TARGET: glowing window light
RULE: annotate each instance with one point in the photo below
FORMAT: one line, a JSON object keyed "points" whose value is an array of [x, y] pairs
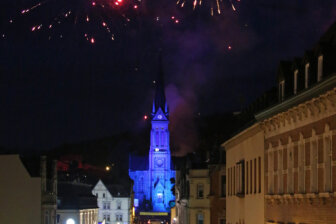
{"points": [[70, 221], [157, 149]]}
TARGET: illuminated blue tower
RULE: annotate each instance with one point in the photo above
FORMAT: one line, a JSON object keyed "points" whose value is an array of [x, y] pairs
{"points": [[152, 182]]}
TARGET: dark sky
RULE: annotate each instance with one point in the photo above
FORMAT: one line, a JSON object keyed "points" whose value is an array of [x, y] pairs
{"points": [[69, 90]]}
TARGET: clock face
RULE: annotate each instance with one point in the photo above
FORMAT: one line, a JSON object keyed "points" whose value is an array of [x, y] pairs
{"points": [[160, 116], [159, 162]]}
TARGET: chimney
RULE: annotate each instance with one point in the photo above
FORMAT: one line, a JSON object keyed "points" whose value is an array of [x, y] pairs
{"points": [[43, 173]]}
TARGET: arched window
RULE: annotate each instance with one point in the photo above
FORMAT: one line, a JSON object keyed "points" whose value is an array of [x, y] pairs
{"points": [[163, 137], [157, 138]]}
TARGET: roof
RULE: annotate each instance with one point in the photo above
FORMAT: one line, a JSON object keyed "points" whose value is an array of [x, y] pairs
{"points": [[118, 190], [316, 90], [32, 165], [284, 69], [329, 37], [238, 138], [75, 196]]}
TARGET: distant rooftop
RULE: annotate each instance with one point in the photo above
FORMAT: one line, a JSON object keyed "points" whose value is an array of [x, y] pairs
{"points": [[75, 196]]}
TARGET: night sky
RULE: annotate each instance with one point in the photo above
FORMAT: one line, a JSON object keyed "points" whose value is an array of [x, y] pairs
{"points": [[56, 86]]}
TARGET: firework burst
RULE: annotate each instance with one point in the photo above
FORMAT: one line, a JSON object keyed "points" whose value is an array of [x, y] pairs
{"points": [[214, 6], [50, 17]]}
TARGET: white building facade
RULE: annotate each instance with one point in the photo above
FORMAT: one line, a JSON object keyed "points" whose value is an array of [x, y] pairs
{"points": [[114, 207], [77, 216]]}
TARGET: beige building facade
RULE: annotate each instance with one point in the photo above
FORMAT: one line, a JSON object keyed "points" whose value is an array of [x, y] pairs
{"points": [[19, 192], [245, 176], [300, 139], [24, 195], [300, 161], [199, 202]]}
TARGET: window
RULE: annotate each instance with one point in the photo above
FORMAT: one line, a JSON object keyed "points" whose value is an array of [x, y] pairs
{"points": [[58, 218], [280, 172], [234, 181], [136, 202], [223, 185], [103, 195], [119, 217], [200, 219], [229, 181], [46, 217], [296, 72], [282, 90], [247, 177], [159, 197], [255, 175], [320, 68], [106, 217], [106, 205], [301, 174], [270, 173], [307, 75], [240, 178], [163, 137], [327, 165], [157, 138], [314, 167], [118, 204], [259, 174], [250, 176], [200, 191], [290, 171]]}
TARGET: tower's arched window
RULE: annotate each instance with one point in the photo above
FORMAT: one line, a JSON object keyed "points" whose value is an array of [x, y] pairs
{"points": [[157, 138], [163, 137]]}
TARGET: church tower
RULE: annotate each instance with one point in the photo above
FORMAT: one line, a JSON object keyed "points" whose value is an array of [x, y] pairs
{"points": [[159, 152], [152, 186]]}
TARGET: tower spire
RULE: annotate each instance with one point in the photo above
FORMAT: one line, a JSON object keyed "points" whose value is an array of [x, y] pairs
{"points": [[160, 98]]}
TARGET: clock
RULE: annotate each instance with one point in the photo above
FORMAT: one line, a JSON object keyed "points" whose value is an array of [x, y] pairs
{"points": [[160, 116], [159, 162]]}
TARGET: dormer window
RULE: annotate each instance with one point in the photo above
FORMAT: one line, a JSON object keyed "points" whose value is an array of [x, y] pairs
{"points": [[296, 72], [282, 90], [320, 68], [306, 75]]}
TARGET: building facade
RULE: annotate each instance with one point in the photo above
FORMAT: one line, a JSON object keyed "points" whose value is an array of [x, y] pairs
{"points": [[245, 177], [76, 204], [152, 183], [27, 194], [114, 206], [199, 191], [77, 216], [300, 139], [217, 194]]}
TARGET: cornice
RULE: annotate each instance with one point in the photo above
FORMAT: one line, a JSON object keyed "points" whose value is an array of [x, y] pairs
{"points": [[308, 94]]}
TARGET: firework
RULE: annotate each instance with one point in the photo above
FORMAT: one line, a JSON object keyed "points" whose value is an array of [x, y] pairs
{"points": [[89, 15], [215, 6]]}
